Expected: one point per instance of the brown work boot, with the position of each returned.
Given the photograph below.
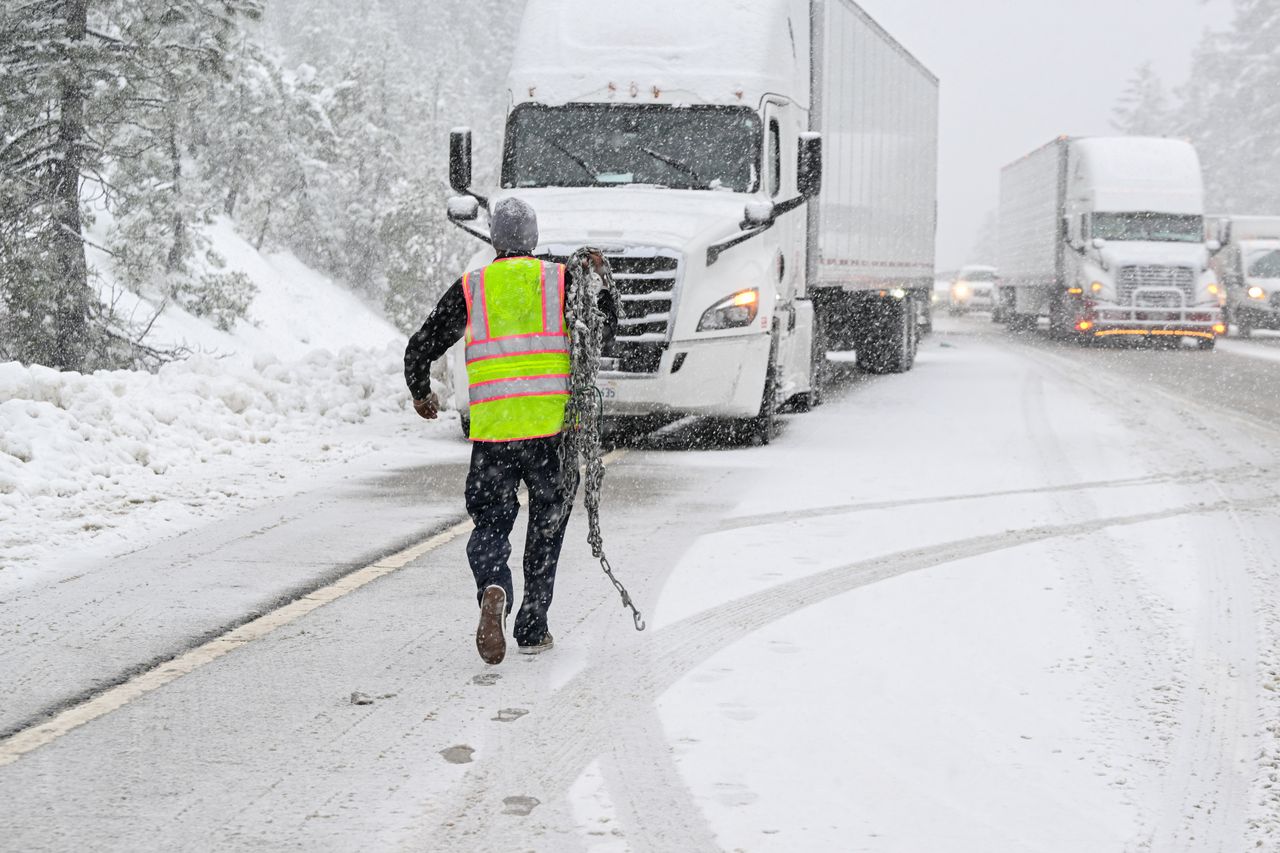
(541, 646)
(491, 635)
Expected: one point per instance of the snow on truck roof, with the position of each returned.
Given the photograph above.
(1138, 160)
(1251, 227)
(1124, 173)
(729, 52)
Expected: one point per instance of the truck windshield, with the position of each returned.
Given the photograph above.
(1156, 227)
(590, 145)
(1265, 266)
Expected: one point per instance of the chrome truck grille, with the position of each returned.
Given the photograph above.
(1169, 278)
(646, 281)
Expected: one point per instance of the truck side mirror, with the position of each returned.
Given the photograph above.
(809, 165)
(757, 213)
(1069, 235)
(460, 160)
(463, 208)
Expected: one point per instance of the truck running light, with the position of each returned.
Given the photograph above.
(1075, 291)
(1256, 292)
(1219, 329)
(1213, 289)
(1084, 326)
(1096, 287)
(733, 312)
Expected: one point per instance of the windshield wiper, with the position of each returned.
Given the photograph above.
(677, 164)
(581, 163)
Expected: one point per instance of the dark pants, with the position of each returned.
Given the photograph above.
(497, 468)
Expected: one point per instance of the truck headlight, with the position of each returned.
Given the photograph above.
(1096, 287)
(733, 312)
(1256, 292)
(961, 290)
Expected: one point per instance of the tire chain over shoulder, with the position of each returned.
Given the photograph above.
(588, 274)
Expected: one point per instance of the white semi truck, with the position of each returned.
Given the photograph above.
(1248, 266)
(690, 142)
(1104, 237)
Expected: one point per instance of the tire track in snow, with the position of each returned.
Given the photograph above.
(642, 778)
(580, 719)
(1188, 477)
(1208, 780)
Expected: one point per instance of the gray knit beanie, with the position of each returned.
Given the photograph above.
(513, 227)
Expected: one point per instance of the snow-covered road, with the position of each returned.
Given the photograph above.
(1021, 599)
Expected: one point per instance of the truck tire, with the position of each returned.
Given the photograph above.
(891, 345)
(1059, 321)
(1021, 324)
(760, 430)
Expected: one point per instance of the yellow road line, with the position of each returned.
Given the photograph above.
(19, 744)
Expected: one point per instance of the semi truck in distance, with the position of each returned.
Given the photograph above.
(1248, 267)
(1104, 237)
(761, 177)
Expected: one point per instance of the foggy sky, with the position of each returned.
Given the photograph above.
(1017, 73)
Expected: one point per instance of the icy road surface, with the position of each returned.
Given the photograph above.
(1021, 599)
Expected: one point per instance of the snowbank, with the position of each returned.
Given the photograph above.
(79, 453)
(95, 465)
(296, 310)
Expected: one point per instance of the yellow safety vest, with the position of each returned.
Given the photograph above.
(517, 350)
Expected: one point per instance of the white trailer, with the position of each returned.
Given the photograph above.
(1104, 237)
(1248, 266)
(875, 222)
(686, 141)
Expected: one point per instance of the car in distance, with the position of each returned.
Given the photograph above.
(973, 289)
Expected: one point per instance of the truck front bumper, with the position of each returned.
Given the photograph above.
(1111, 321)
(719, 377)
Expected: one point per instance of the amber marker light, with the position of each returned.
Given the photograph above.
(1219, 329)
(1076, 291)
(1083, 326)
(1214, 289)
(1096, 287)
(745, 298)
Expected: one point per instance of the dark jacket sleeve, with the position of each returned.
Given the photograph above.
(443, 329)
(609, 305)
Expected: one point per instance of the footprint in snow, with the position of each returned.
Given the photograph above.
(520, 806)
(458, 754)
(509, 715)
(486, 679)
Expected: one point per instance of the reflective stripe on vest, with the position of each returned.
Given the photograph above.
(517, 352)
(524, 386)
(523, 345)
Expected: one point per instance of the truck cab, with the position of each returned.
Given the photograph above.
(684, 154)
(1248, 267)
(1136, 261)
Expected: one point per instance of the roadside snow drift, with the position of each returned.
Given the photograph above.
(79, 452)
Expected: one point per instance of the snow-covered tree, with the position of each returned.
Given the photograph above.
(1229, 108)
(1143, 109)
(48, 67)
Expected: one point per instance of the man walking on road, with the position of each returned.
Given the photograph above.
(517, 352)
